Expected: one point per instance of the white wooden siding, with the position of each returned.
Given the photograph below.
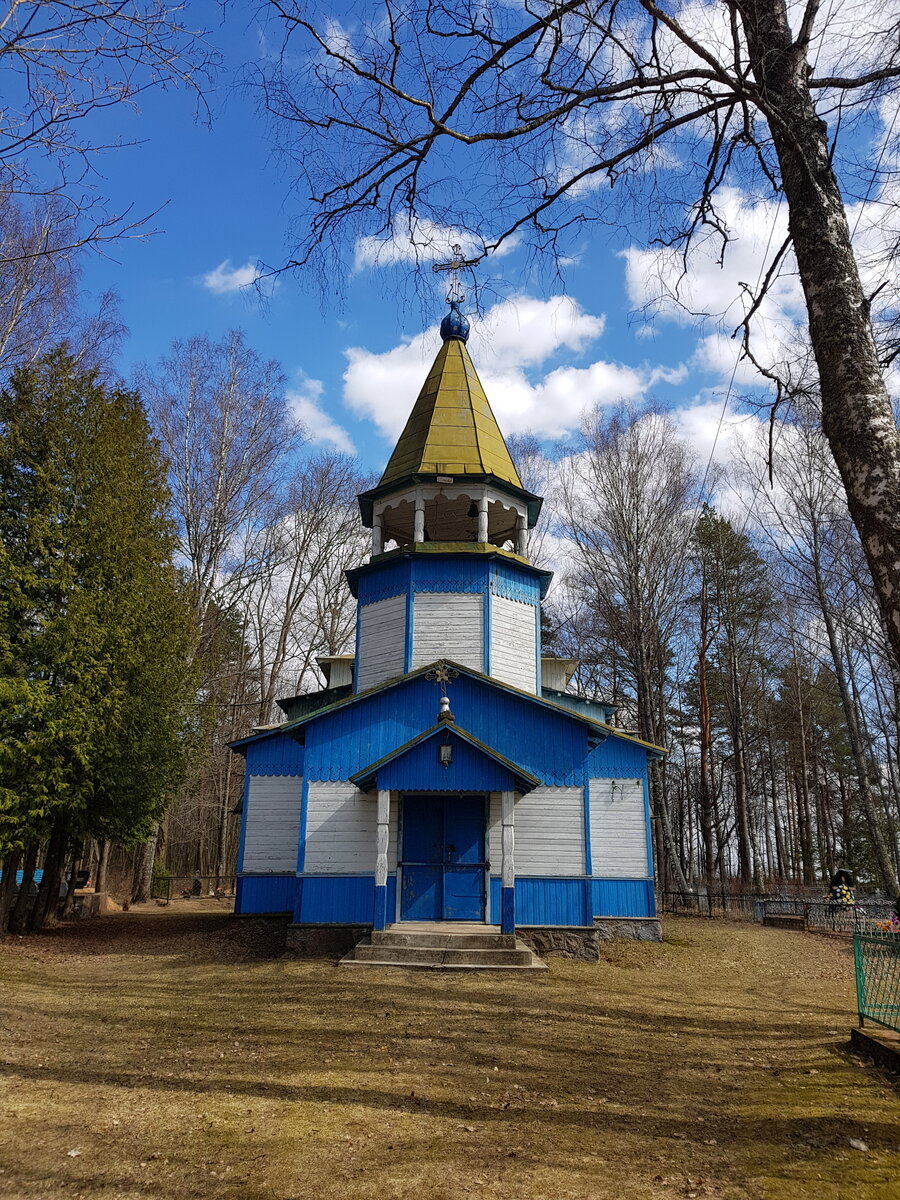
(382, 641)
(618, 828)
(448, 625)
(273, 824)
(340, 831)
(513, 643)
(549, 825)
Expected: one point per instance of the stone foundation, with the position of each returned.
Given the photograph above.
(630, 929)
(323, 941)
(583, 941)
(569, 941)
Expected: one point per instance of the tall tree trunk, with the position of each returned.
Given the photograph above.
(741, 809)
(858, 750)
(776, 816)
(48, 893)
(652, 731)
(224, 813)
(846, 820)
(143, 872)
(102, 867)
(8, 885)
(69, 903)
(857, 416)
(705, 746)
(802, 782)
(18, 917)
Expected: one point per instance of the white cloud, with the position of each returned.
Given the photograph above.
(658, 282)
(306, 406)
(225, 280)
(713, 291)
(507, 344)
(711, 433)
(422, 240)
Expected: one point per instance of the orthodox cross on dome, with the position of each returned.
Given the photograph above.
(441, 674)
(454, 324)
(455, 295)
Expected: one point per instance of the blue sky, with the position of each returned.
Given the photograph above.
(355, 364)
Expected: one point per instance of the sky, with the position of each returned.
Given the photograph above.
(355, 361)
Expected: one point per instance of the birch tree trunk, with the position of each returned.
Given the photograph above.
(856, 410)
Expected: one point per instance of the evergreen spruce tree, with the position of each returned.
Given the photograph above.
(95, 627)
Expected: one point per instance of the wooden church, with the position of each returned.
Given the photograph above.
(446, 780)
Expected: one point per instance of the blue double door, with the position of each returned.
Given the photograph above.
(443, 861)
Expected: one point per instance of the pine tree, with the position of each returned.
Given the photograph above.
(736, 589)
(95, 627)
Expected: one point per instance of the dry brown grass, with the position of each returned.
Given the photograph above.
(180, 1065)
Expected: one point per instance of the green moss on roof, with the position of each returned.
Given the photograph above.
(451, 429)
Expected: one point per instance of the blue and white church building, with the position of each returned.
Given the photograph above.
(446, 774)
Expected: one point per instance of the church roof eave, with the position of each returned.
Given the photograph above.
(598, 731)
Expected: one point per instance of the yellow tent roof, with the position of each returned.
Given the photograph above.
(451, 429)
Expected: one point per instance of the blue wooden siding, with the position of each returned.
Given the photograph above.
(265, 894)
(470, 771)
(243, 835)
(550, 902)
(623, 898)
(341, 899)
(350, 899)
(575, 901)
(515, 583)
(381, 581)
(276, 755)
(467, 573)
(546, 743)
(449, 573)
(495, 900)
(617, 758)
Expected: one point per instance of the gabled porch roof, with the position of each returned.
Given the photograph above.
(475, 766)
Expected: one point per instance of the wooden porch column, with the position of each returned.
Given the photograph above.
(382, 817)
(522, 535)
(419, 520)
(482, 519)
(377, 534)
(507, 866)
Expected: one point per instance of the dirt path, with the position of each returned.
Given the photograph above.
(178, 1065)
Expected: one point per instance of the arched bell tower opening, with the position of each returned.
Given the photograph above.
(447, 513)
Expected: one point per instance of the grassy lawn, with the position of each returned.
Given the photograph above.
(179, 1064)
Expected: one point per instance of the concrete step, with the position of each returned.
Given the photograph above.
(436, 939)
(460, 956)
(358, 964)
(514, 957)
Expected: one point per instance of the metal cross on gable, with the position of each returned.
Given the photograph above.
(455, 295)
(441, 674)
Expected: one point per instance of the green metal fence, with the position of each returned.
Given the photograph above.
(877, 958)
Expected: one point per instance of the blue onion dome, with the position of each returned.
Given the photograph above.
(454, 325)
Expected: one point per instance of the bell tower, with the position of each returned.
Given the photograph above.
(448, 576)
